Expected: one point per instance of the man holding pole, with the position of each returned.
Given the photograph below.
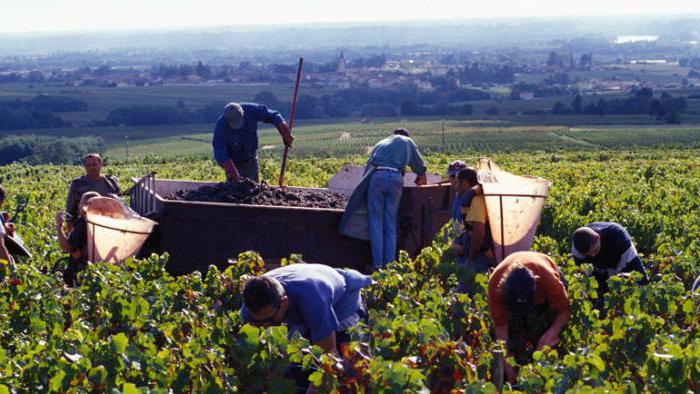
(236, 138)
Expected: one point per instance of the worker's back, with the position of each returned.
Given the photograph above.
(395, 151)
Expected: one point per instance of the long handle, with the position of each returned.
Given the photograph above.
(291, 121)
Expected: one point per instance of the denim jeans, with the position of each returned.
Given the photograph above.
(248, 168)
(383, 198)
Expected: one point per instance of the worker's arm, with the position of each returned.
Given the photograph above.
(328, 343)
(501, 332)
(72, 201)
(221, 152)
(557, 298)
(230, 170)
(478, 234)
(4, 253)
(113, 184)
(263, 114)
(286, 133)
(551, 336)
(62, 239)
(415, 160)
(499, 316)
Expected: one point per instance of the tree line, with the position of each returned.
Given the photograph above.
(640, 102)
(38, 112)
(39, 149)
(366, 102)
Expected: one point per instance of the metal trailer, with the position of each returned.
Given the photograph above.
(199, 234)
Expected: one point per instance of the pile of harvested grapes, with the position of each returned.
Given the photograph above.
(246, 191)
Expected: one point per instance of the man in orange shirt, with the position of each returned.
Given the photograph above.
(528, 303)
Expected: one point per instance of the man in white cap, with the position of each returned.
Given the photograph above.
(236, 138)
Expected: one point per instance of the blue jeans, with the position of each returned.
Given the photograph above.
(248, 168)
(383, 198)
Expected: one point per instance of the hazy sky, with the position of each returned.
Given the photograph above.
(60, 15)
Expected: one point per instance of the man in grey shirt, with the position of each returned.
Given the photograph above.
(93, 180)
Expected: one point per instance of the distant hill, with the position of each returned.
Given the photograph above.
(474, 33)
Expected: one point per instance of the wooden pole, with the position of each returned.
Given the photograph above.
(444, 148)
(498, 369)
(291, 121)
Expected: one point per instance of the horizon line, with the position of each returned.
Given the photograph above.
(321, 25)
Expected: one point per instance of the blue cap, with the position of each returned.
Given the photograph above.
(233, 113)
(455, 166)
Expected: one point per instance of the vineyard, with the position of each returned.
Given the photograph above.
(452, 136)
(138, 329)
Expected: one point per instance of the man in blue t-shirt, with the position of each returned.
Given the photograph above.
(452, 170)
(4, 253)
(609, 248)
(317, 301)
(235, 138)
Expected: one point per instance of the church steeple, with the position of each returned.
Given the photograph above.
(342, 65)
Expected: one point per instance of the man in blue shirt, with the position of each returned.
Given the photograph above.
(236, 138)
(379, 194)
(609, 248)
(452, 171)
(317, 301)
(4, 253)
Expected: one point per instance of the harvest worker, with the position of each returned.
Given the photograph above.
(93, 180)
(236, 138)
(4, 253)
(528, 303)
(317, 301)
(452, 171)
(75, 243)
(479, 250)
(379, 194)
(609, 248)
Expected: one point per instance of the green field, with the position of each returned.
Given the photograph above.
(354, 138)
(136, 329)
(101, 100)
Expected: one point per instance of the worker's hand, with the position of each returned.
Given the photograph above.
(421, 180)
(509, 371)
(232, 174)
(286, 134)
(59, 220)
(457, 249)
(549, 338)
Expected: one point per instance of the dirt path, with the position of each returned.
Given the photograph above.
(574, 140)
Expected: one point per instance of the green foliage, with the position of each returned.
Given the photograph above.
(138, 329)
(35, 149)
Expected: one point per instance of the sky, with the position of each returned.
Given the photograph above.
(20, 16)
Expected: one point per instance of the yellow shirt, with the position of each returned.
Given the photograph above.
(477, 212)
